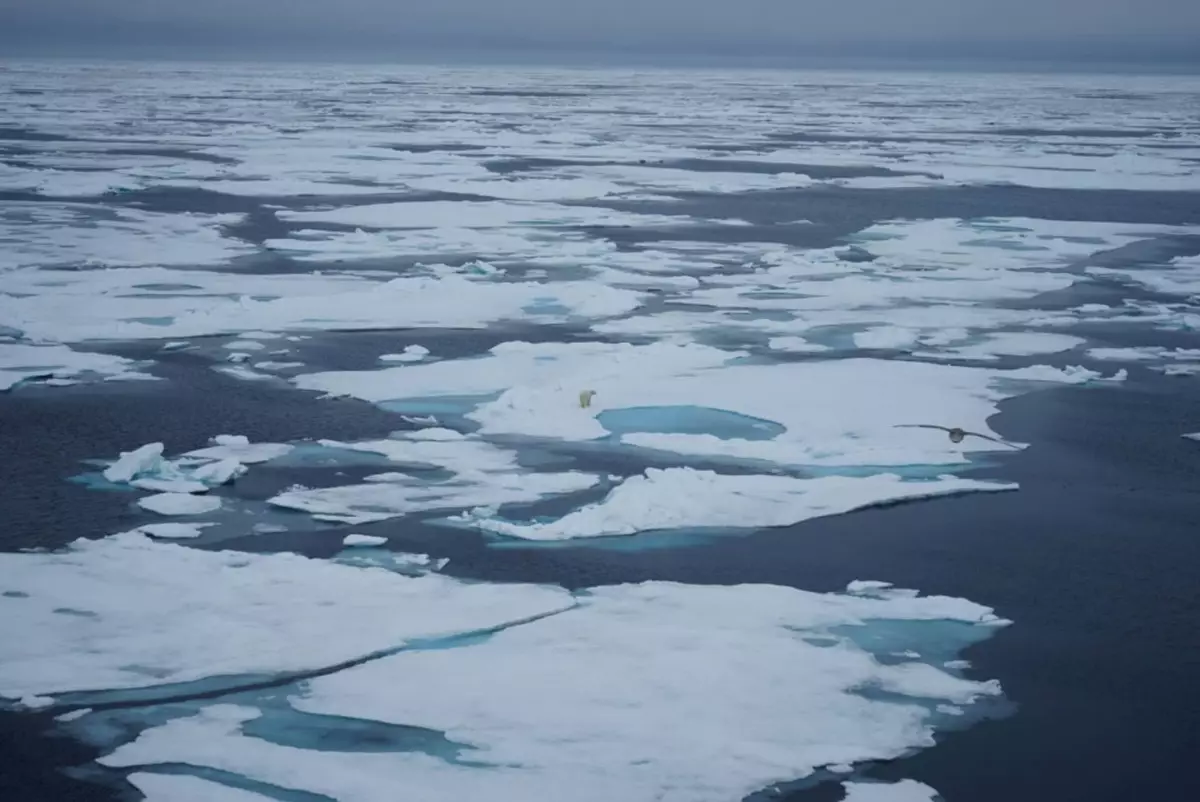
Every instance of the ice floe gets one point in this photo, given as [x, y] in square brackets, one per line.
[684, 498]
[175, 503]
[128, 612]
[826, 412]
[591, 701]
[902, 791]
[21, 362]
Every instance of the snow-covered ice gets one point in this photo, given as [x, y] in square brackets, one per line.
[363, 540]
[684, 498]
[21, 362]
[592, 699]
[902, 791]
[128, 612]
[174, 503]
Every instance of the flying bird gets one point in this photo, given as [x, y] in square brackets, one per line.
[957, 435]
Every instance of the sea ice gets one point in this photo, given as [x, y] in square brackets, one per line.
[479, 214]
[591, 701]
[169, 485]
[174, 531]
[179, 504]
[219, 472]
[411, 353]
[363, 540]
[903, 791]
[20, 362]
[186, 788]
[144, 613]
[379, 500]
[239, 447]
[684, 498]
[833, 411]
[141, 460]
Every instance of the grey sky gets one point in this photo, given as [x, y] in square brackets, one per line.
[1040, 28]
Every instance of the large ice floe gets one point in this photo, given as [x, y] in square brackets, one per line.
[697, 399]
[546, 690]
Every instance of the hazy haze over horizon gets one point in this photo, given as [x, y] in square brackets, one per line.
[1064, 31]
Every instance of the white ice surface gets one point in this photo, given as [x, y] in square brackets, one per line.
[587, 705]
[131, 463]
[411, 353]
[20, 361]
[902, 791]
[834, 412]
[56, 235]
[148, 613]
[684, 498]
[477, 214]
[186, 788]
[174, 531]
[397, 495]
[239, 447]
[179, 504]
[363, 540]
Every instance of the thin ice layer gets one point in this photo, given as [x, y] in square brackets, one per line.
[592, 701]
[127, 612]
[684, 498]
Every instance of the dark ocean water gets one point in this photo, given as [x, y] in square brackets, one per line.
[1094, 559]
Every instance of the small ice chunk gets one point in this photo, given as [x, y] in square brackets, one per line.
[412, 353]
[34, 702]
[864, 587]
[239, 447]
[903, 791]
[132, 463]
[231, 440]
[173, 531]
[1193, 436]
[795, 345]
[950, 710]
[238, 357]
[243, 345]
[180, 504]
[219, 473]
[169, 485]
[363, 540]
[73, 715]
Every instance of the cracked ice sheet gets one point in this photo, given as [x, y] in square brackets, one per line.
[684, 498]
[48, 235]
[128, 612]
[77, 310]
[833, 411]
[19, 362]
[592, 699]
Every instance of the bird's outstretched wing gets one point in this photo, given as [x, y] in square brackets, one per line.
[952, 430]
[993, 439]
